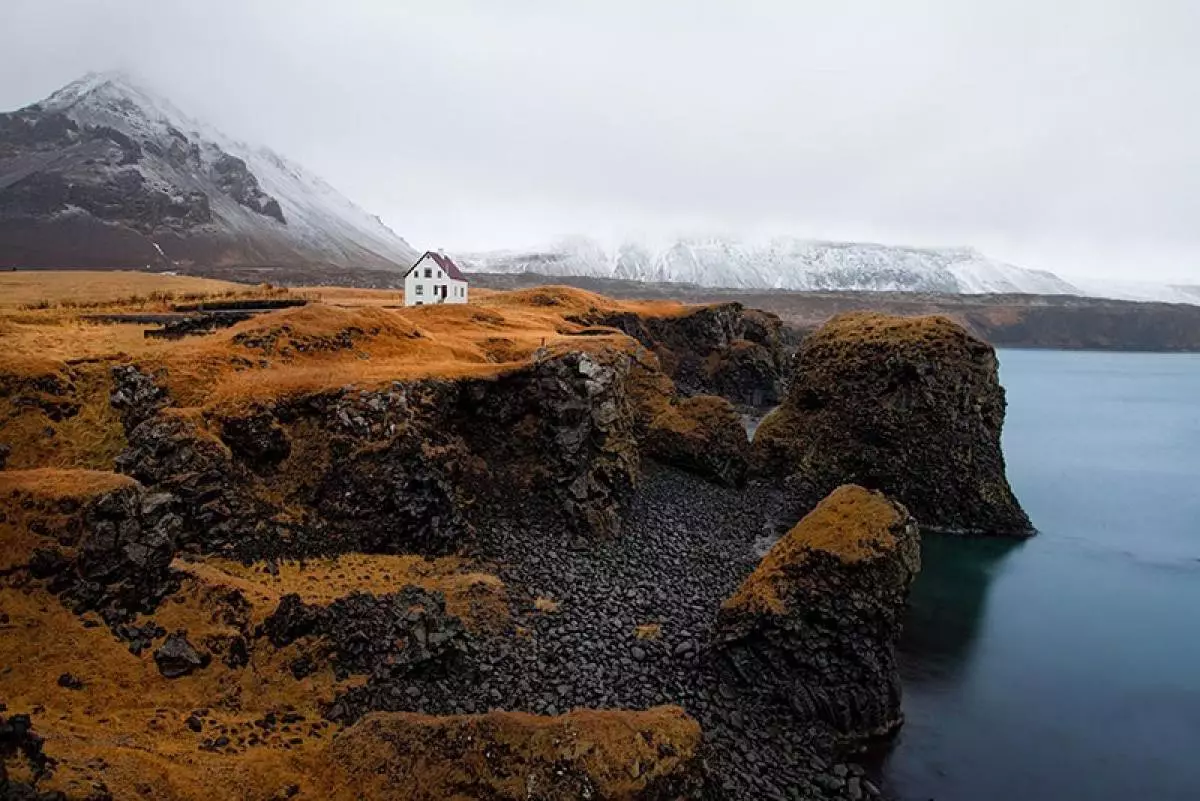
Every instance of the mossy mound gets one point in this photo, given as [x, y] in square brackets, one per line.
[911, 406]
[510, 755]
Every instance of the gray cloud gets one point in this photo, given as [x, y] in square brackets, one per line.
[1060, 136]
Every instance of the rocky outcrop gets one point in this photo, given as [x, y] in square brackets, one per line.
[386, 637]
[703, 435]
[611, 755]
[818, 619]
[910, 406]
[117, 558]
[723, 349]
[407, 467]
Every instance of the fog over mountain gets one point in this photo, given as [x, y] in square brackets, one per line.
[1057, 138]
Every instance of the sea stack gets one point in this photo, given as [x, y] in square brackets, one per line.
[818, 619]
[911, 406]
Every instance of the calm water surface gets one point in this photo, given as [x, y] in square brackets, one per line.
[1068, 667]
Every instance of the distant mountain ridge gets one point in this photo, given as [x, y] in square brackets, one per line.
[105, 173]
[802, 264]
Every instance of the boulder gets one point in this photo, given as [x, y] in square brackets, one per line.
[703, 435]
[177, 657]
[818, 619]
[611, 754]
[911, 406]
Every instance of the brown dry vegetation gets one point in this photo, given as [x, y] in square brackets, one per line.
[476, 597]
[125, 728]
[419, 758]
[853, 524]
[86, 289]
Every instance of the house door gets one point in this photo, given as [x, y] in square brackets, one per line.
[443, 294]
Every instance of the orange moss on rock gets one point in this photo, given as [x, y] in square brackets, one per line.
[852, 525]
[49, 483]
[125, 728]
[607, 754]
[38, 506]
[54, 414]
[478, 598]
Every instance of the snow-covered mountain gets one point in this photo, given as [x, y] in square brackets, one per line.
[105, 173]
[780, 263]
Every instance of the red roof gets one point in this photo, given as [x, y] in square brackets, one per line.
[445, 262]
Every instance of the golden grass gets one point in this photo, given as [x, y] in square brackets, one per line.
[648, 631]
[476, 597]
[852, 524]
[90, 438]
[126, 728]
[48, 483]
[423, 758]
[91, 288]
[545, 605]
[864, 328]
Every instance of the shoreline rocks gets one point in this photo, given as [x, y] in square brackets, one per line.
[911, 406]
[818, 619]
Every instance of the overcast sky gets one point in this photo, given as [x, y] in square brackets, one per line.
[1059, 135]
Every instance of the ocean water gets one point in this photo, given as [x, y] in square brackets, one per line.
[1068, 666]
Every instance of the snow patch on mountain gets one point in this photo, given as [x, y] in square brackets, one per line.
[779, 263]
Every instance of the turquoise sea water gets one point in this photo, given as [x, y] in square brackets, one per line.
[1068, 666]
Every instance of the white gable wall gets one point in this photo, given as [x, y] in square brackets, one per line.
[422, 291]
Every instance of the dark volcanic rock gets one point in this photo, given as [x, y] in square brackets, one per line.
[401, 469]
[818, 620]
[638, 756]
[135, 395]
[121, 564]
[723, 349]
[387, 637]
[18, 741]
[177, 657]
[909, 406]
[703, 435]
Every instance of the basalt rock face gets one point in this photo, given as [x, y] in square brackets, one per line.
[723, 349]
[404, 468]
[703, 435]
[651, 755]
[121, 562]
[818, 619]
[386, 637]
[911, 406]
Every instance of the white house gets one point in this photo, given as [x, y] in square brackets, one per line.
[435, 278]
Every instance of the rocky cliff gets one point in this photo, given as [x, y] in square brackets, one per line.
[405, 468]
[818, 619]
[910, 406]
[723, 349]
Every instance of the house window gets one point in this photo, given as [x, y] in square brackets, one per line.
[429, 272]
[420, 303]
[439, 273]
[419, 289]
